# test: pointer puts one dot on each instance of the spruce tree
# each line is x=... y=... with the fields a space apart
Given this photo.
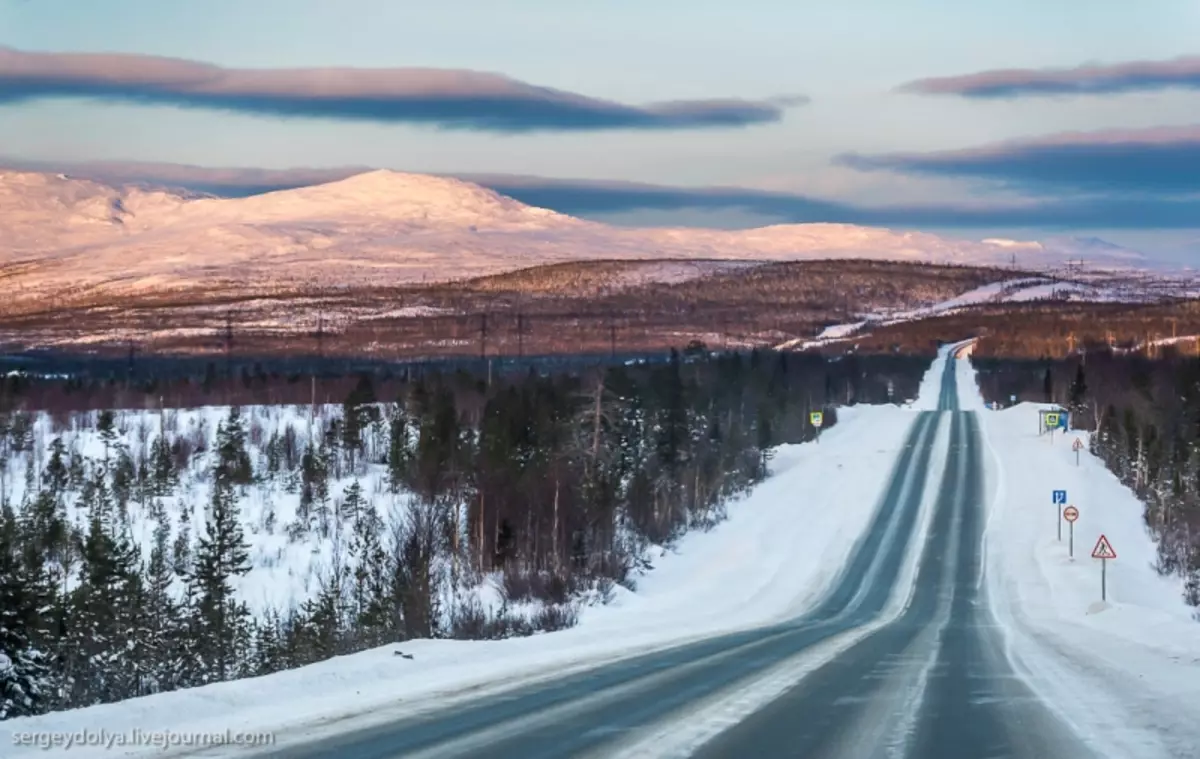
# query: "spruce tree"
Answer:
x=97 y=639
x=163 y=475
x=369 y=600
x=222 y=555
x=26 y=682
x=56 y=476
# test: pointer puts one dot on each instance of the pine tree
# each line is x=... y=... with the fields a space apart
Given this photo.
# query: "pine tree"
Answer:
x=164 y=478
x=96 y=636
x=222 y=554
x=161 y=611
x=369 y=595
x=357 y=413
x=1078 y=390
x=399 y=456
x=56 y=476
x=181 y=548
x=26 y=683
x=352 y=504
x=124 y=478
x=106 y=427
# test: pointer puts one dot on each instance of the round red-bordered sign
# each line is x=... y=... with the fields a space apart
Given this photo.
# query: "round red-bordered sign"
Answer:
x=1070 y=513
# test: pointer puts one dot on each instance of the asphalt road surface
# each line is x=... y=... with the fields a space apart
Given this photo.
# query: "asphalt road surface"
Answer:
x=931 y=684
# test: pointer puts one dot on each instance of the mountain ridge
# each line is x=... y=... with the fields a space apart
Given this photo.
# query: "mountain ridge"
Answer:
x=388 y=227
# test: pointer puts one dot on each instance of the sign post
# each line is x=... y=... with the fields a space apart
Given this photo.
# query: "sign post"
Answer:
x=1077 y=446
x=1103 y=551
x=1071 y=514
x=1059 y=498
x=817 y=418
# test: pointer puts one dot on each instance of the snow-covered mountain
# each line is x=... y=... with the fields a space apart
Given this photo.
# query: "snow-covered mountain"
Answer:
x=62 y=235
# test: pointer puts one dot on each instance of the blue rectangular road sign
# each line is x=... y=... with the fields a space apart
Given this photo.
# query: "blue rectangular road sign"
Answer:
x=1060 y=496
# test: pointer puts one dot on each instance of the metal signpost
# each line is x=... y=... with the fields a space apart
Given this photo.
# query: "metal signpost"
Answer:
x=1103 y=551
x=1071 y=514
x=817 y=418
x=1059 y=499
x=1077 y=446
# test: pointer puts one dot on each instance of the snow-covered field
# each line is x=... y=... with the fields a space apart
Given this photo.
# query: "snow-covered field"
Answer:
x=1126 y=674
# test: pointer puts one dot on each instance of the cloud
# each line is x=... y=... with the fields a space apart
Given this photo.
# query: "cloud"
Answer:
x=1133 y=76
x=1146 y=161
x=612 y=199
x=446 y=98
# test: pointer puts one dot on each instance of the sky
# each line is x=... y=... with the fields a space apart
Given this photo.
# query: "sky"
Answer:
x=982 y=119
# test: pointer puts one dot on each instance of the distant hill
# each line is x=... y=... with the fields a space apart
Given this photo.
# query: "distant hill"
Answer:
x=71 y=239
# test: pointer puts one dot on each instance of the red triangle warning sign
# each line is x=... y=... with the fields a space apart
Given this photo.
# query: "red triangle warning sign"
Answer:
x=1103 y=549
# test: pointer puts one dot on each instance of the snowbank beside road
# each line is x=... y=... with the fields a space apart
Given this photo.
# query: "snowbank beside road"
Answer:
x=779 y=548
x=1125 y=674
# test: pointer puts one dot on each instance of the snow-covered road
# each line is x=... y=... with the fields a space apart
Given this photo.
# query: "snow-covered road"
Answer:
x=1123 y=677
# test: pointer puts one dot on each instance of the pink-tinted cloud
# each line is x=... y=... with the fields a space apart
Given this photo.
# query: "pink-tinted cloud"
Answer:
x=1081 y=80
x=450 y=99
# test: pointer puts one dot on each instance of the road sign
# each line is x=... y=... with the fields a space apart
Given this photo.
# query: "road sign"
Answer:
x=1059 y=499
x=1012 y=399
x=1077 y=446
x=817 y=418
x=1071 y=514
x=1103 y=549
x=1052 y=419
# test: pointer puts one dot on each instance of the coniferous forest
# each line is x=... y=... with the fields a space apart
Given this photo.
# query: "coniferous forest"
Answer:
x=1145 y=416
x=441 y=505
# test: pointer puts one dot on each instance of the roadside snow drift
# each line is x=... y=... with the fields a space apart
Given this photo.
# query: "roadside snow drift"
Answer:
x=1124 y=673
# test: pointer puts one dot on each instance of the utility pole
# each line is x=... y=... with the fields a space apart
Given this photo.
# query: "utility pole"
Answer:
x=320 y=334
x=612 y=335
x=483 y=336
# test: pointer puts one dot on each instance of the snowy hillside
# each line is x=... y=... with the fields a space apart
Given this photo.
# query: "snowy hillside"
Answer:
x=72 y=237
x=1096 y=288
